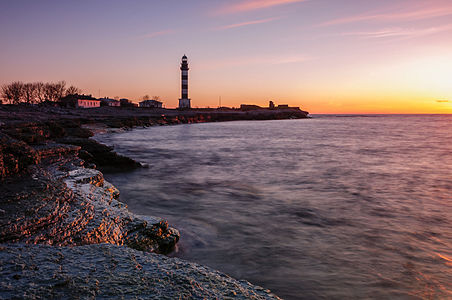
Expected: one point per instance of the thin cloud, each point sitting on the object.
(249, 5)
(246, 23)
(442, 101)
(399, 32)
(411, 15)
(156, 34)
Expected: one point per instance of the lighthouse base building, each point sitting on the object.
(184, 101)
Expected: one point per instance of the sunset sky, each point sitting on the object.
(327, 56)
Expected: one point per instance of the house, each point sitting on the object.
(82, 101)
(88, 103)
(109, 102)
(127, 103)
(151, 104)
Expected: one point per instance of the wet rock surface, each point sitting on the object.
(108, 271)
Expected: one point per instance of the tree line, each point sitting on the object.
(146, 97)
(36, 92)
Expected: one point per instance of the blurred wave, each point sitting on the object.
(333, 207)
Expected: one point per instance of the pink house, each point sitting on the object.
(88, 103)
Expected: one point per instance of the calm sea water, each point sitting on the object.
(334, 207)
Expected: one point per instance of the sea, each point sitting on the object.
(332, 207)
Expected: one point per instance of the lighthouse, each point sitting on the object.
(184, 101)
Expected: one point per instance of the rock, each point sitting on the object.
(62, 203)
(109, 271)
(100, 154)
(15, 156)
(78, 132)
(56, 151)
(87, 157)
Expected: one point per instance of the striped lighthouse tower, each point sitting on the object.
(184, 101)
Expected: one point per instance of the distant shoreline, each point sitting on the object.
(41, 125)
(27, 113)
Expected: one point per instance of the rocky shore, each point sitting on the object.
(54, 198)
(107, 271)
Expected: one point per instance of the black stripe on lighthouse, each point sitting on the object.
(184, 78)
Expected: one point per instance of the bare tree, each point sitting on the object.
(54, 91)
(6, 94)
(145, 97)
(40, 91)
(156, 98)
(13, 92)
(36, 92)
(49, 92)
(17, 90)
(29, 93)
(72, 90)
(60, 88)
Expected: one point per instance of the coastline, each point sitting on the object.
(55, 196)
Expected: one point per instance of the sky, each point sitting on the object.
(326, 56)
